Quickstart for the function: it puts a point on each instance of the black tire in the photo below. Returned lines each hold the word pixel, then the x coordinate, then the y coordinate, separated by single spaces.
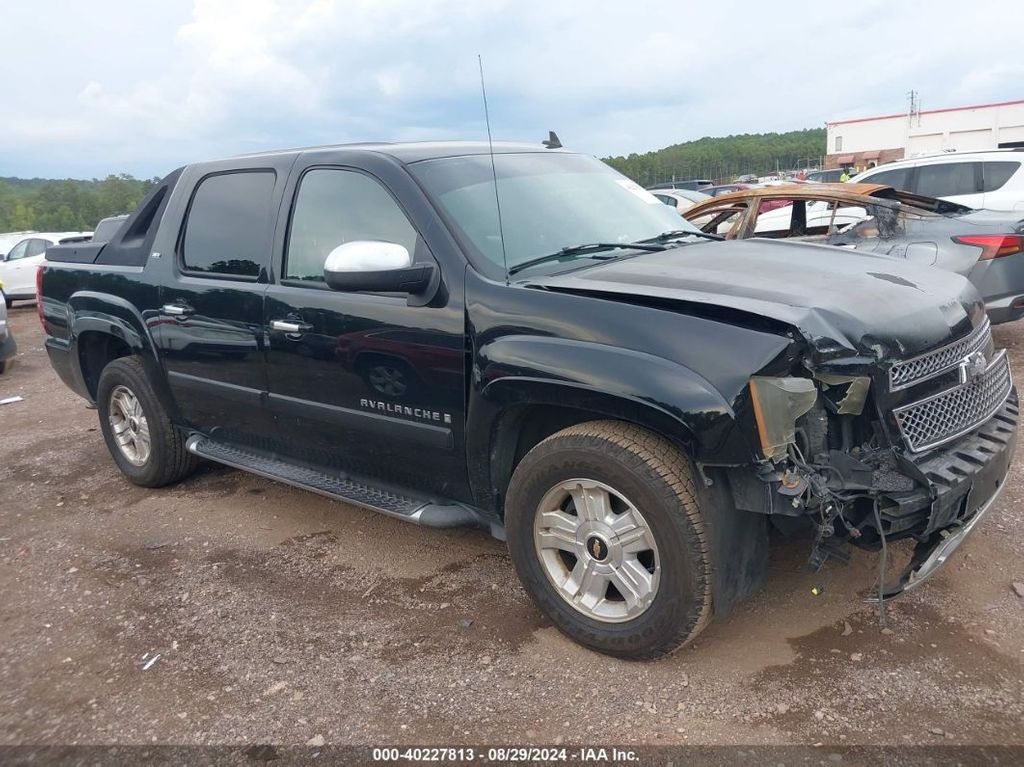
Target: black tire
pixel 168 460
pixel 656 477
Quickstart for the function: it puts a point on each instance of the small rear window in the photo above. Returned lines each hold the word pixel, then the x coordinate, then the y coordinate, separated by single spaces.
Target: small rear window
pixel 229 225
pixel 996 174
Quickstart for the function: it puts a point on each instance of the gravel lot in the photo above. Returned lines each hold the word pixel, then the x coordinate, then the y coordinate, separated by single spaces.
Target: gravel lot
pixel 279 616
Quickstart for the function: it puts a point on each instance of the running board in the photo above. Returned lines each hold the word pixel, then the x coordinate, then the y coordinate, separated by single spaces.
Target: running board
pixel 420 511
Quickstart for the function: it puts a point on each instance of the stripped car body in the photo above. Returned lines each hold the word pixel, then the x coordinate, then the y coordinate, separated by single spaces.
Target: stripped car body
pixel 985 246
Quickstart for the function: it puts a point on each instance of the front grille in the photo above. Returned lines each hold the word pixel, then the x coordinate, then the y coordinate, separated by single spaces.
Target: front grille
pixel 938 361
pixel 949 414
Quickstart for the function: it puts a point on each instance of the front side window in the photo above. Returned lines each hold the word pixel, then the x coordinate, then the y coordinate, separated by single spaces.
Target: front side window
pixel 18 251
pixel 229 225
pixel 336 206
pixel 948 179
pixel 548 202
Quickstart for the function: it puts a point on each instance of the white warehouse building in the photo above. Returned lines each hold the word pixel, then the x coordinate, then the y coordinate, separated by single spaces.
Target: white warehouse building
pixel 864 142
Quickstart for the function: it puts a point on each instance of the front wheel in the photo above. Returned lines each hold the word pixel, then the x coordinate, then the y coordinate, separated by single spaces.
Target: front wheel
pixel 607 537
pixel 146 447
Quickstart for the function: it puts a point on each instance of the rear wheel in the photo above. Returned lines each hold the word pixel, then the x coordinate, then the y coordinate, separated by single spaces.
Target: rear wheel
pixel 607 537
pixel 146 447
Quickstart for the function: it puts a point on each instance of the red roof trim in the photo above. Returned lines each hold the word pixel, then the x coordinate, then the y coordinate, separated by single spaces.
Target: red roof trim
pixel 925 112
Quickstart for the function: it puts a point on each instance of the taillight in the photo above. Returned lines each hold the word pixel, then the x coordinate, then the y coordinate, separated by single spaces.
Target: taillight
pixel 994 245
pixel 39 296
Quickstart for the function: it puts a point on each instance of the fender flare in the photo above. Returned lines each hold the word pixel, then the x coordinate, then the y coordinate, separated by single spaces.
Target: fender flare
pixel 612 382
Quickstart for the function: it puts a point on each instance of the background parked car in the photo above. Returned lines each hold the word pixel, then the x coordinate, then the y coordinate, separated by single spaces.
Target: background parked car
pixel 714 191
pixel 992 180
pixel 825 176
pixel 107 227
pixel 985 246
pixel 680 199
pixel 18 266
pixel 7 346
pixel 692 184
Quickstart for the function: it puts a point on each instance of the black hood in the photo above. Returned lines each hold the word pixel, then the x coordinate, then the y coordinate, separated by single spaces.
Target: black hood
pixel 841 301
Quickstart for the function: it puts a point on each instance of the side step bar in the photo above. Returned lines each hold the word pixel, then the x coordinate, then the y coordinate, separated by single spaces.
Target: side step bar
pixel 420 511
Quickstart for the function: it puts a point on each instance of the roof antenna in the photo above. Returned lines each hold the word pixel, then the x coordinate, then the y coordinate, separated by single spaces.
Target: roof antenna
pixel 552 142
pixel 494 172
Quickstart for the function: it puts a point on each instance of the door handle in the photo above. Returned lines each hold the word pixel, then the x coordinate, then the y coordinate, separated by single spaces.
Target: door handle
pixel 290 326
pixel 176 310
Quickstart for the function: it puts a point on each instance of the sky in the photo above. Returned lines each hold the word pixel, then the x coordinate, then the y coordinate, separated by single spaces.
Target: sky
pixel 143 86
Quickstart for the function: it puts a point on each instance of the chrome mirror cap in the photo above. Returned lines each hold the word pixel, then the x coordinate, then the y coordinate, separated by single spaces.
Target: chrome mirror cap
pixel 367 256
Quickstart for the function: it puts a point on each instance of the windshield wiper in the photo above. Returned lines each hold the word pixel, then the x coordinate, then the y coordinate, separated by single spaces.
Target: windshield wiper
pixel 676 234
pixel 585 250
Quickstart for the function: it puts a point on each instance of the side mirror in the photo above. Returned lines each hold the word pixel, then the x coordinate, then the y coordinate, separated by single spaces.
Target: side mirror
pixel 384 267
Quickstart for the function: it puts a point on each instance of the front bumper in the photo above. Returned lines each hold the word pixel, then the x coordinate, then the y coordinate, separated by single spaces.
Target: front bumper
pixel 960 485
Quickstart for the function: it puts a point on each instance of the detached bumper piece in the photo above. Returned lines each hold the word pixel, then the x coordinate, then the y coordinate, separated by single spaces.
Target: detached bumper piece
pixel 965 480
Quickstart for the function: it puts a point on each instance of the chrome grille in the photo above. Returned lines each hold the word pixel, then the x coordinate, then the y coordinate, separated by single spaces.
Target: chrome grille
pixel 949 414
pixel 938 361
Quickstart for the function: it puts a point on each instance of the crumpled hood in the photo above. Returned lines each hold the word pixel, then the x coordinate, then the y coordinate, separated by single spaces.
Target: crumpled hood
pixel 841 301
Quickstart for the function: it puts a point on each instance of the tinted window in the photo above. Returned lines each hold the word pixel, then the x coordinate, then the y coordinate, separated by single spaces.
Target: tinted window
pixel 947 179
pixel 997 174
pixel 36 248
pixel 229 224
pixel 897 178
pixel 338 206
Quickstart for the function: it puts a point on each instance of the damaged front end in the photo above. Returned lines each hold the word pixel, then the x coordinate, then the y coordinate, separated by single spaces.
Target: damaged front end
pixel 874 450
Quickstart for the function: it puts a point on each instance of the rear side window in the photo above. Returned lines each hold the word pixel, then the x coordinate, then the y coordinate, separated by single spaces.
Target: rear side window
pixel 36 248
pixel 897 178
pixel 948 179
pixel 996 174
pixel 229 225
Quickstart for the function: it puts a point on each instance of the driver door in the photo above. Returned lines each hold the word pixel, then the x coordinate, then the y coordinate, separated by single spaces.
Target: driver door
pixel 361 383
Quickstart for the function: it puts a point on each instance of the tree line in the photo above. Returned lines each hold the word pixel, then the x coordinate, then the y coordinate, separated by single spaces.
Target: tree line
pixel 723 159
pixel 70 205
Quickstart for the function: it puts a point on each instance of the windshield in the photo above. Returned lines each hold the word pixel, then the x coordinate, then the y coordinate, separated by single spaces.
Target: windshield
pixel 548 202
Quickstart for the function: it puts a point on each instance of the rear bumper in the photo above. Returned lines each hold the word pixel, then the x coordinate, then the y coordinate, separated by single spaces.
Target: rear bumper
pixel 1005 309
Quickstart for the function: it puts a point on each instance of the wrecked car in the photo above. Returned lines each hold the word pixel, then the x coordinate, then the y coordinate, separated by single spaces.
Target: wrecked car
pixel 520 339
pixel 985 246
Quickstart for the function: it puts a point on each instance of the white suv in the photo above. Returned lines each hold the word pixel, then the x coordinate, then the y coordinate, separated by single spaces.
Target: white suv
pixel 18 266
pixel 993 180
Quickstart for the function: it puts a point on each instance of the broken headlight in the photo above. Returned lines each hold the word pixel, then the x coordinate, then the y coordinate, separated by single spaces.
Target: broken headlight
pixel 778 403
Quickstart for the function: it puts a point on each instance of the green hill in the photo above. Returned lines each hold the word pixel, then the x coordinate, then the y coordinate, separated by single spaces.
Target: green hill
pixel 68 205
pixel 723 159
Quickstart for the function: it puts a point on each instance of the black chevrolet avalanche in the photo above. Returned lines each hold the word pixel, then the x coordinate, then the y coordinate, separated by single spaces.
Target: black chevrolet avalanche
pixel 531 343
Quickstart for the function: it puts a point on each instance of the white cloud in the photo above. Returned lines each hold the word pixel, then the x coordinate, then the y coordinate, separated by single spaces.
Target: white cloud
pixel 144 90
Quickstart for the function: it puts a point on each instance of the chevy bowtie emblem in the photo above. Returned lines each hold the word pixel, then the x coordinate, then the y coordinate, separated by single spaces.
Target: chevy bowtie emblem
pixel 972 366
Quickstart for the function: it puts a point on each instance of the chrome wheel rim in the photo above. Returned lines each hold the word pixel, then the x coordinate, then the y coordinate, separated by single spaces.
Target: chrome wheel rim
pixel 597 550
pixel 129 425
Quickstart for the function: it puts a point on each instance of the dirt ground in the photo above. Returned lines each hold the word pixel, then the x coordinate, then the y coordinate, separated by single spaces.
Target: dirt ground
pixel 278 616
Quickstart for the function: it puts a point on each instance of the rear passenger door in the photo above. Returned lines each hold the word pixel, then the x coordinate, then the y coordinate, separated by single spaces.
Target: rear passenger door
pixel 210 328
